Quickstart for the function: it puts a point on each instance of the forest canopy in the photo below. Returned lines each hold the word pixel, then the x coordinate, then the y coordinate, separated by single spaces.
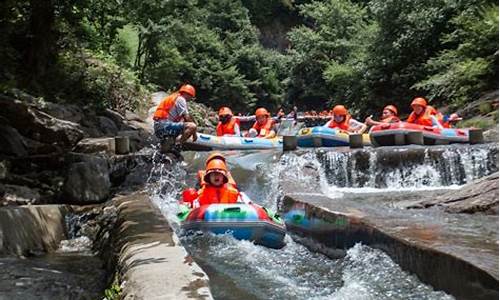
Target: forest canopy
pixel 249 53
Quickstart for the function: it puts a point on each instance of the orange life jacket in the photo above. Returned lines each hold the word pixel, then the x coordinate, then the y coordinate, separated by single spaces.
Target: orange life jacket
pixel 264 130
pixel 165 106
pixel 391 119
pixel 225 194
pixel 201 175
pixel 343 125
pixel 228 128
pixel 425 117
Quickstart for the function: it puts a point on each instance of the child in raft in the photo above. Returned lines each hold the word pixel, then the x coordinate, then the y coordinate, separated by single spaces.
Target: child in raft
pixel 342 119
pixel 217 185
pixel 264 126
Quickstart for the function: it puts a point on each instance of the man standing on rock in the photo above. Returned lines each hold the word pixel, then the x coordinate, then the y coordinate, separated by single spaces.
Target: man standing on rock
pixel 172 118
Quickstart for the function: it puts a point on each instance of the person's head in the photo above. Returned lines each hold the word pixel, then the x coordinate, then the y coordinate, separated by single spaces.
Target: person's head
pixel 261 115
pixel 389 111
pixel 187 91
pixel 454 118
pixel 418 105
pixel 339 113
pixel 225 115
pixel 216 173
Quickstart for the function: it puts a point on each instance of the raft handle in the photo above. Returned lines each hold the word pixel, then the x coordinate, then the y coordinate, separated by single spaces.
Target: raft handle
pixel 204 137
pixel 232 209
pixel 248 141
pixel 428 128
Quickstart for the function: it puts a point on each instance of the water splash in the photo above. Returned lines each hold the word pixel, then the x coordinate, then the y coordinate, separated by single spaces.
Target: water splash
pixel 408 168
pixel 242 270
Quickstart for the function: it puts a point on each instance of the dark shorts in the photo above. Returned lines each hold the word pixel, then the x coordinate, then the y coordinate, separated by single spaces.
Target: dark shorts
pixel 165 129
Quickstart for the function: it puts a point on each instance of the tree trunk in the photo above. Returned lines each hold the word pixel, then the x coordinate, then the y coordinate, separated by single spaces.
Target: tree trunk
pixel 41 51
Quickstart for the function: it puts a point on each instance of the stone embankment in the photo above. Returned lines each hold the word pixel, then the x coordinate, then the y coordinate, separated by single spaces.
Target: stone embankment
pixel 59 171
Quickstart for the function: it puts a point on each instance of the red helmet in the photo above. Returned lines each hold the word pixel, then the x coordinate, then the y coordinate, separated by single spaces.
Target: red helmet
pixel 392 108
pixel 419 101
pixel 225 111
pixel 339 110
pixel 261 112
pixel 189 195
pixel 188 89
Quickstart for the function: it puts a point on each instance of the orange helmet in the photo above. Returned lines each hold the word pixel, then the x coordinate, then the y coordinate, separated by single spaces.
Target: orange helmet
pixel 392 108
pixel 215 155
pixel 216 166
pixel 189 195
pixel 225 111
pixel 261 112
pixel 339 110
pixel 188 89
pixel 419 101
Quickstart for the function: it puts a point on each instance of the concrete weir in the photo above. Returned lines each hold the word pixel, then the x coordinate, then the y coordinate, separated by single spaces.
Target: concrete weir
pixel 26 229
pixel 151 262
pixel 459 264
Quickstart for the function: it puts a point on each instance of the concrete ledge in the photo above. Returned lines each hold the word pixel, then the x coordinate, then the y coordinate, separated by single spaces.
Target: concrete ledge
pixel 25 229
pixel 151 261
pixel 465 268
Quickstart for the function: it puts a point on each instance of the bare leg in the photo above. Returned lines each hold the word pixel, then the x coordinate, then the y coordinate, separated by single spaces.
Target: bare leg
pixel 189 130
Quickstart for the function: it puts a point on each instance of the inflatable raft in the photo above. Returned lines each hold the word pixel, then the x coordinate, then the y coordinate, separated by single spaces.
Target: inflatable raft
pixel 321 136
pixel 245 221
pixel 207 142
pixel 400 134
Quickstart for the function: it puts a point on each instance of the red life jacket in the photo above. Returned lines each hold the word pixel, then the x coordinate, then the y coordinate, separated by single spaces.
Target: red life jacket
pixel 228 128
pixel 264 130
pixel 343 125
pixel 165 106
pixel 425 117
pixel 225 194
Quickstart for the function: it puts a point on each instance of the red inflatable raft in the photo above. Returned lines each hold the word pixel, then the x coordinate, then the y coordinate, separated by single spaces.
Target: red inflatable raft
pixel 401 134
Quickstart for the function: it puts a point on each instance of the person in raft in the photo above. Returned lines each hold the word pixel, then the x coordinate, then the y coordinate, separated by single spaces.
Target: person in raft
pixel 264 126
pixel 424 114
pixel 172 118
pixel 389 115
pixel 228 125
pixel 342 120
pixel 450 121
pixel 216 187
pixel 201 173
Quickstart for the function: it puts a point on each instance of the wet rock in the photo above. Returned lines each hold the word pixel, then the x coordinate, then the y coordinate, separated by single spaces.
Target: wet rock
pixel 479 196
pixel 12 142
pixel 4 169
pixel 136 141
pixel 87 181
pixel 95 145
pixel 129 170
pixel 19 195
pixel 38 125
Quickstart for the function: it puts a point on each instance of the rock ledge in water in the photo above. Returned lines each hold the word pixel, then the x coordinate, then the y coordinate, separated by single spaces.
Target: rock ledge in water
pixel 479 196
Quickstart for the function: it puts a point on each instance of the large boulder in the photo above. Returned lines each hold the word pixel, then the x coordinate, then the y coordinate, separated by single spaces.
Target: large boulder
pixel 87 181
pixel 12 143
pixel 96 145
pixel 38 125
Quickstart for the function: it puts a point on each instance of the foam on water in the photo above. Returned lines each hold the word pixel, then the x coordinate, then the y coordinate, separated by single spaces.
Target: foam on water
pixel 242 270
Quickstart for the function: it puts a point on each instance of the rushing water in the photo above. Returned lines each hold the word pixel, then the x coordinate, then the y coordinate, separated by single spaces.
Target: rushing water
pixel 242 270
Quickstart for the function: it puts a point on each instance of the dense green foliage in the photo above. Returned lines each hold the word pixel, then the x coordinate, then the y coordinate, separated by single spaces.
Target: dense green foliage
pixel 361 53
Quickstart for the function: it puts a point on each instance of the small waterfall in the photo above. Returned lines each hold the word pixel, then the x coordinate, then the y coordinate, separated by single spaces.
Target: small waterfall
pixel 402 168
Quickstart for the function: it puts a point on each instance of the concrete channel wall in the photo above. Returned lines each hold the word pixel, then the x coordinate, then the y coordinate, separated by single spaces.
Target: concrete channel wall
pixel 151 262
pixel 466 271
pixel 28 229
